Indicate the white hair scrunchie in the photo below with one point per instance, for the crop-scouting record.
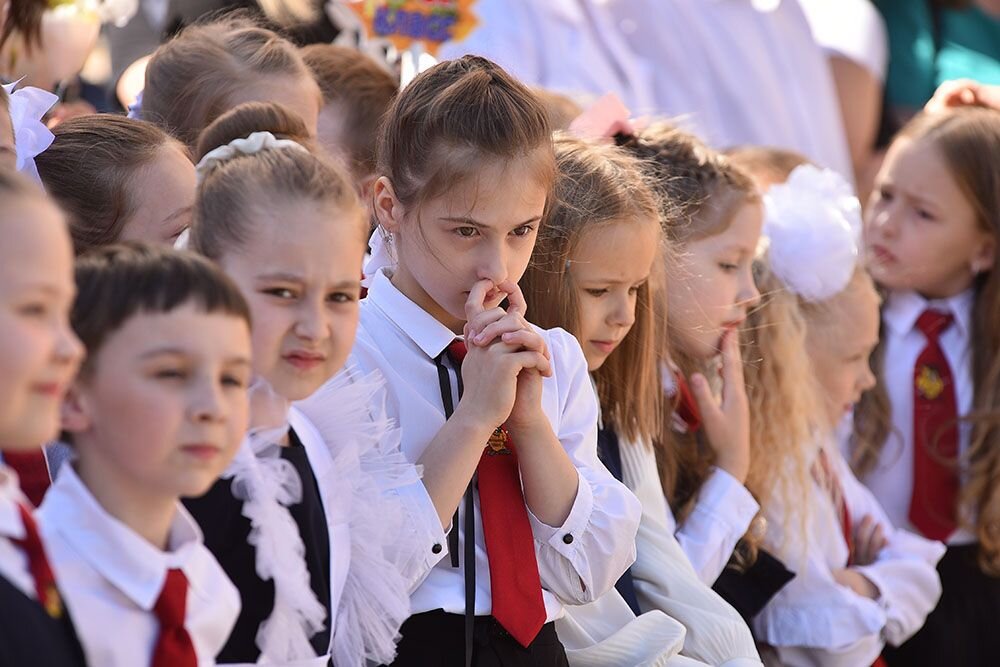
(813, 226)
(255, 143)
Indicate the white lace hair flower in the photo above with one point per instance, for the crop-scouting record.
(813, 226)
(255, 143)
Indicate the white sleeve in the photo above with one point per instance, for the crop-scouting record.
(721, 516)
(665, 581)
(852, 29)
(905, 571)
(583, 558)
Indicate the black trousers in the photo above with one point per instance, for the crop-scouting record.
(964, 629)
(437, 639)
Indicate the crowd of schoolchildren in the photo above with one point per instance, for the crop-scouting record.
(299, 370)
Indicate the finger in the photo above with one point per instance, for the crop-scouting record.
(879, 541)
(708, 404)
(515, 297)
(527, 339)
(497, 329)
(733, 384)
(531, 360)
(475, 304)
(477, 324)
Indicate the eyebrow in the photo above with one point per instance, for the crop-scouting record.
(281, 276)
(180, 352)
(178, 213)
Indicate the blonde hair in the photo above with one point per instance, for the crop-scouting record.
(191, 79)
(598, 186)
(231, 192)
(968, 139)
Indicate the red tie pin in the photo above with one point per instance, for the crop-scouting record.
(929, 382)
(497, 444)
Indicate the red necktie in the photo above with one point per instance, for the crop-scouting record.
(510, 544)
(32, 473)
(174, 647)
(935, 434)
(38, 565)
(686, 407)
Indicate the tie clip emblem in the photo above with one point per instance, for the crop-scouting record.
(52, 602)
(929, 382)
(497, 444)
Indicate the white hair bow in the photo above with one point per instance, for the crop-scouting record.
(27, 107)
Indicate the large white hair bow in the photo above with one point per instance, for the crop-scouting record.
(27, 107)
(813, 226)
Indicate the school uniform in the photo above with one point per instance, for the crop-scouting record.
(664, 585)
(577, 562)
(722, 511)
(31, 633)
(960, 630)
(134, 604)
(816, 621)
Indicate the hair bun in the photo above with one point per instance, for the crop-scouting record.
(251, 117)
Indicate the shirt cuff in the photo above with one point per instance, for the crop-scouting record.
(424, 523)
(725, 499)
(565, 538)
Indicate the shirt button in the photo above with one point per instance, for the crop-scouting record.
(436, 549)
(568, 538)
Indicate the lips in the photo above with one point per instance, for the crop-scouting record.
(49, 389)
(882, 254)
(201, 451)
(304, 361)
(605, 346)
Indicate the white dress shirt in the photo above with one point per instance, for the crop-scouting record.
(740, 72)
(111, 578)
(578, 561)
(852, 29)
(814, 620)
(572, 47)
(13, 561)
(892, 479)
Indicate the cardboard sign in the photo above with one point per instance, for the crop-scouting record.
(405, 22)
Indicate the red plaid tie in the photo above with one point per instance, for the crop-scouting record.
(935, 434)
(174, 647)
(514, 580)
(38, 565)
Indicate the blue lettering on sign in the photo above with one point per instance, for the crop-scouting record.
(417, 25)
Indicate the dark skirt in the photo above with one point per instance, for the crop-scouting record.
(964, 629)
(437, 639)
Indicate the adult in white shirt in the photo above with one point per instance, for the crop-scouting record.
(740, 72)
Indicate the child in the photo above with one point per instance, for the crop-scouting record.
(927, 445)
(157, 412)
(38, 357)
(714, 219)
(324, 570)
(119, 180)
(357, 92)
(462, 201)
(592, 272)
(810, 341)
(210, 68)
(765, 165)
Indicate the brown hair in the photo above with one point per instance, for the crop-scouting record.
(360, 90)
(25, 18)
(453, 118)
(89, 170)
(191, 80)
(231, 191)
(597, 186)
(700, 191)
(968, 139)
(766, 163)
(561, 109)
(117, 282)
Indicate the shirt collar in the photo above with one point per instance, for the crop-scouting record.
(904, 308)
(11, 525)
(412, 321)
(115, 551)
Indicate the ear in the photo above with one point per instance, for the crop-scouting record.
(388, 210)
(985, 257)
(74, 414)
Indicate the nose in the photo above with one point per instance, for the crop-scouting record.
(622, 313)
(749, 295)
(885, 219)
(492, 263)
(867, 380)
(207, 404)
(69, 350)
(311, 323)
